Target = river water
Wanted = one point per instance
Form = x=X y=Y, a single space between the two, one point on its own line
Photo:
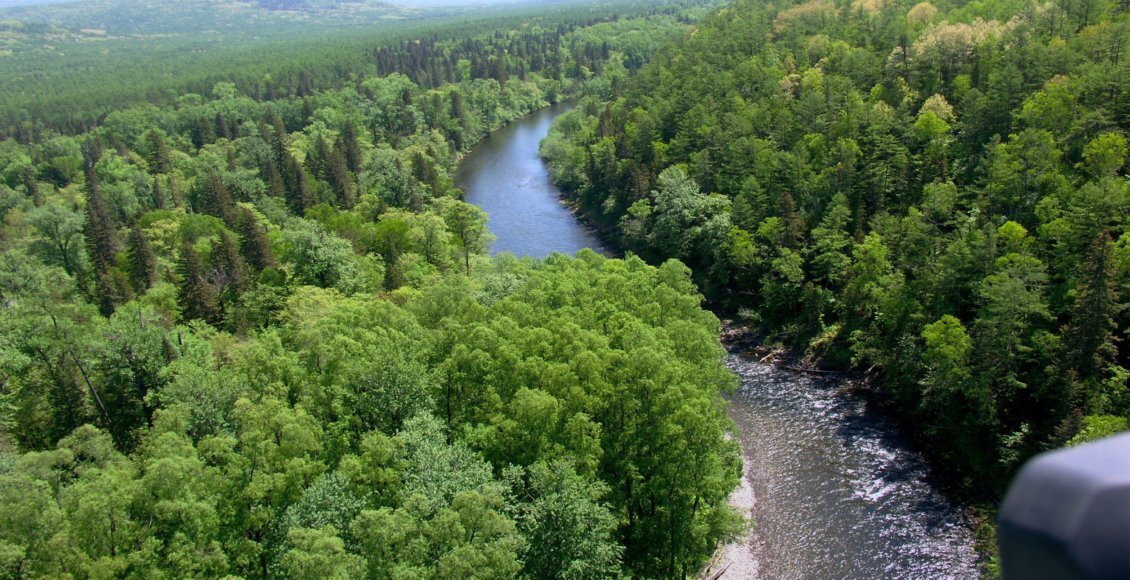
x=504 y=175
x=832 y=487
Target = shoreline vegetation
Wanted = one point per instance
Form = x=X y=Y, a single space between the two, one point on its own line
x=743 y=339
x=919 y=225
x=931 y=193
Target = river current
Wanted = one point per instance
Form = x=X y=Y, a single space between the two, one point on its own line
x=833 y=488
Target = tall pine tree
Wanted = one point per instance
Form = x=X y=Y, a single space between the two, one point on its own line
x=213 y=198
x=1090 y=333
x=253 y=243
x=350 y=147
x=159 y=159
x=341 y=180
x=198 y=298
x=101 y=238
x=299 y=194
x=227 y=271
x=142 y=261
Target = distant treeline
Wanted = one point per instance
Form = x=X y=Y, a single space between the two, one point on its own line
x=70 y=93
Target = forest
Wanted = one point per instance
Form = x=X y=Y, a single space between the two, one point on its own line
x=250 y=328
x=254 y=331
x=934 y=194
x=67 y=66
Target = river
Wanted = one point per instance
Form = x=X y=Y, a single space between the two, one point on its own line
x=833 y=488
x=504 y=175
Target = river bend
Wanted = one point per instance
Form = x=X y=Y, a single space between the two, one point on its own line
x=833 y=488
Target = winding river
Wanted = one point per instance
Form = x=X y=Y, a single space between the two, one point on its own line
x=504 y=175
x=833 y=489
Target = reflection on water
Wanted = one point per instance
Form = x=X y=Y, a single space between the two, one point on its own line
x=504 y=175
x=838 y=493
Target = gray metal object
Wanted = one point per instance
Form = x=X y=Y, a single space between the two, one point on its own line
x=1067 y=514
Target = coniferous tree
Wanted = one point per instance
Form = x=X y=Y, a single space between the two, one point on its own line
x=299 y=194
x=142 y=261
x=792 y=221
x=318 y=162
x=213 y=198
x=198 y=298
x=1090 y=334
x=424 y=170
x=350 y=147
x=27 y=176
x=305 y=84
x=111 y=289
x=253 y=243
x=291 y=181
x=276 y=124
x=341 y=180
x=272 y=174
x=101 y=238
x=159 y=159
x=159 y=201
x=223 y=129
x=203 y=132
x=227 y=273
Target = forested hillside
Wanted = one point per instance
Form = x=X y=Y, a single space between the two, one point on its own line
x=254 y=332
x=64 y=68
x=932 y=192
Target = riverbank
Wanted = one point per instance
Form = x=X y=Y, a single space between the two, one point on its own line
x=504 y=176
x=887 y=491
x=835 y=488
x=839 y=489
x=865 y=388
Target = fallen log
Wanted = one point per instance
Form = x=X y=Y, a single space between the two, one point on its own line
x=720 y=572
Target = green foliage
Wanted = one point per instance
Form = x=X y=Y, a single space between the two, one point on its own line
x=68 y=66
x=319 y=553
x=313 y=446
x=569 y=532
x=1097 y=427
x=866 y=184
x=250 y=330
x=322 y=259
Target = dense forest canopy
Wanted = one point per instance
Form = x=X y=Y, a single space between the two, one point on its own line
x=254 y=331
x=248 y=326
x=936 y=192
x=65 y=67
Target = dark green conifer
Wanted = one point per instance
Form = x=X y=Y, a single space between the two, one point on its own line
x=101 y=238
x=318 y=162
x=350 y=147
x=159 y=159
x=213 y=198
x=253 y=243
x=198 y=298
x=299 y=194
x=27 y=176
x=203 y=132
x=341 y=180
x=228 y=273
x=1090 y=334
x=159 y=201
x=223 y=129
x=142 y=262
x=111 y=290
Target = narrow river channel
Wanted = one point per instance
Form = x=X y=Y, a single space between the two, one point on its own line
x=833 y=488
